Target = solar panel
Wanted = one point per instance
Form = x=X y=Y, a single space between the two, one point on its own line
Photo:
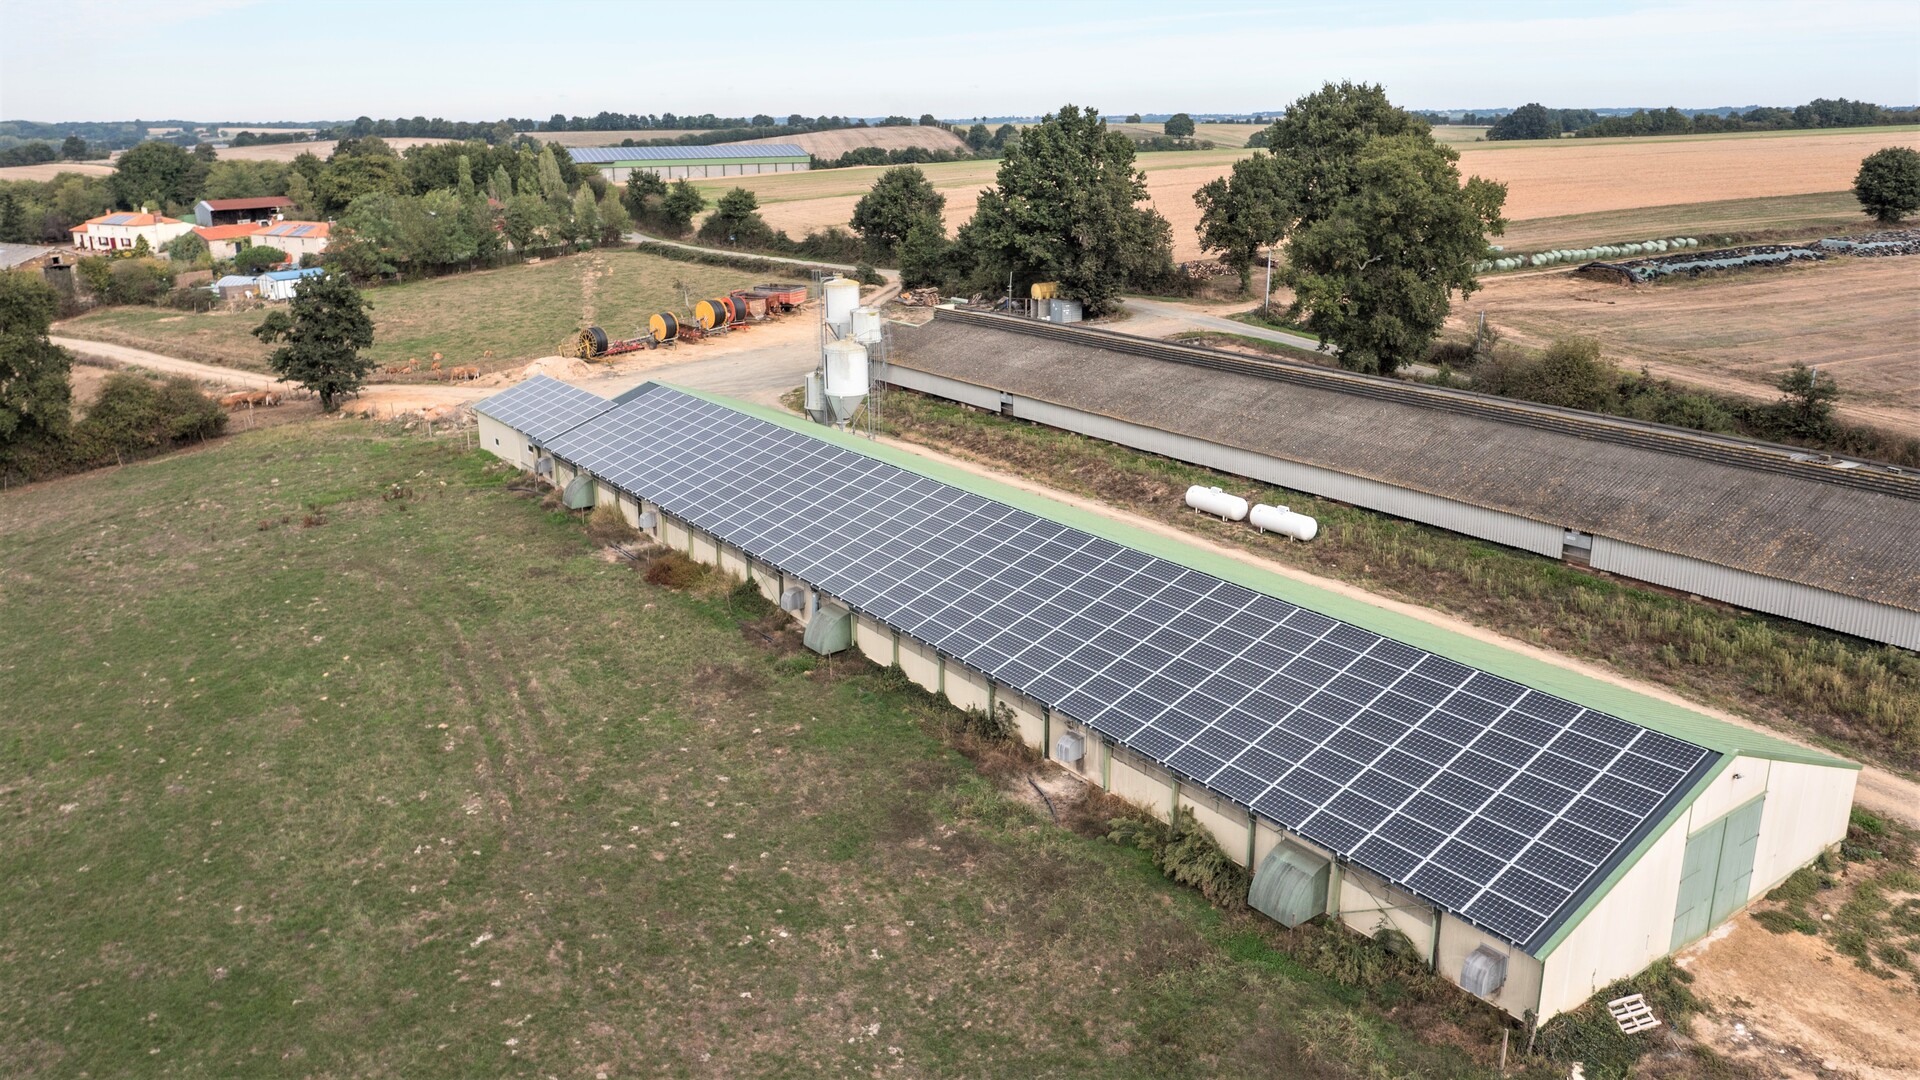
x=117 y=219
x=1501 y=804
x=543 y=407
x=601 y=155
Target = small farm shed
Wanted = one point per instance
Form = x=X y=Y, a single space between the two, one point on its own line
x=693 y=162
x=280 y=284
x=1533 y=832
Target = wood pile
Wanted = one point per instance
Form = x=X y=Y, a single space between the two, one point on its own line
x=919 y=297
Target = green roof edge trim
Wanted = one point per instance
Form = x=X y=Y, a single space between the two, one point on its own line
x=1670 y=719
x=1631 y=705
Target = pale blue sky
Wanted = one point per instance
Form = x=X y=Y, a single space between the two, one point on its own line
x=257 y=60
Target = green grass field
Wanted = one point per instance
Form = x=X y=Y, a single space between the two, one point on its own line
x=520 y=312
x=327 y=755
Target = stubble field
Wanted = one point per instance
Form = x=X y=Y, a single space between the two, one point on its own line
x=831 y=144
x=1736 y=333
x=1545 y=180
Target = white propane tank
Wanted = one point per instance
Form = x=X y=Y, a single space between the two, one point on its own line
x=843 y=295
x=1283 y=521
x=866 y=325
x=846 y=369
x=1212 y=500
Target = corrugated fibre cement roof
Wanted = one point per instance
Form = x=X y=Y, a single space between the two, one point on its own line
x=1853 y=542
x=1502 y=803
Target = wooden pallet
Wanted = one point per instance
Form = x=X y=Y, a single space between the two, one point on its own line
x=1632 y=1014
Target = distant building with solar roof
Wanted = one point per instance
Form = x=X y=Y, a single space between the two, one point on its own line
x=693 y=162
x=1534 y=833
x=122 y=230
x=296 y=238
x=257 y=211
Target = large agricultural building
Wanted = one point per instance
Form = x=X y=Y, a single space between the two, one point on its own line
x=1535 y=833
x=1768 y=528
x=693 y=162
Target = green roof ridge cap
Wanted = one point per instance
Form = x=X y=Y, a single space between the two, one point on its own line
x=1665 y=717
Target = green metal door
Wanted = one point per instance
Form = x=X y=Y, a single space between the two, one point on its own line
x=1716 y=873
x=1737 y=848
x=1694 y=913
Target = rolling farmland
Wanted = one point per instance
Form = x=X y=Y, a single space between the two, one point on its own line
x=1545 y=179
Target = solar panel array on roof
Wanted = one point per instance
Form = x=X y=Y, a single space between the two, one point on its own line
x=1499 y=803
x=600 y=155
x=543 y=407
x=301 y=230
x=118 y=219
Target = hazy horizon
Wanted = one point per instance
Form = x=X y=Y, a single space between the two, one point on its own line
x=165 y=61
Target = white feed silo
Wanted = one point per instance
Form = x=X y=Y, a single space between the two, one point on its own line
x=866 y=325
x=843 y=295
x=846 y=378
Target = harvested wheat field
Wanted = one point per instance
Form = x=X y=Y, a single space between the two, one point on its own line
x=47 y=170
x=1544 y=180
x=1737 y=332
x=831 y=144
x=1584 y=176
x=610 y=138
x=321 y=150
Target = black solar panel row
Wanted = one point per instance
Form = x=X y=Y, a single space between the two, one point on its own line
x=1499 y=803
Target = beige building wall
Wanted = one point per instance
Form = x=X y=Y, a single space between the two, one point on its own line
x=733 y=563
x=1231 y=826
x=705 y=549
x=1629 y=928
x=1367 y=904
x=920 y=663
x=1140 y=784
x=874 y=640
x=1739 y=783
x=1808 y=807
x=1522 y=988
x=1029 y=718
x=673 y=533
x=967 y=689
x=767 y=578
x=504 y=442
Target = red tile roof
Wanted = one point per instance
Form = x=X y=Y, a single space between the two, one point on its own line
x=266 y=202
x=301 y=230
x=131 y=220
x=227 y=232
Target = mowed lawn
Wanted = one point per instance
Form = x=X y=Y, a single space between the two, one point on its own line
x=520 y=312
x=327 y=755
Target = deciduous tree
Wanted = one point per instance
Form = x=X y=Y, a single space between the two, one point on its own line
x=159 y=175
x=36 y=395
x=899 y=200
x=1238 y=217
x=1066 y=207
x=321 y=334
x=1179 y=126
x=1380 y=230
x=1888 y=184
